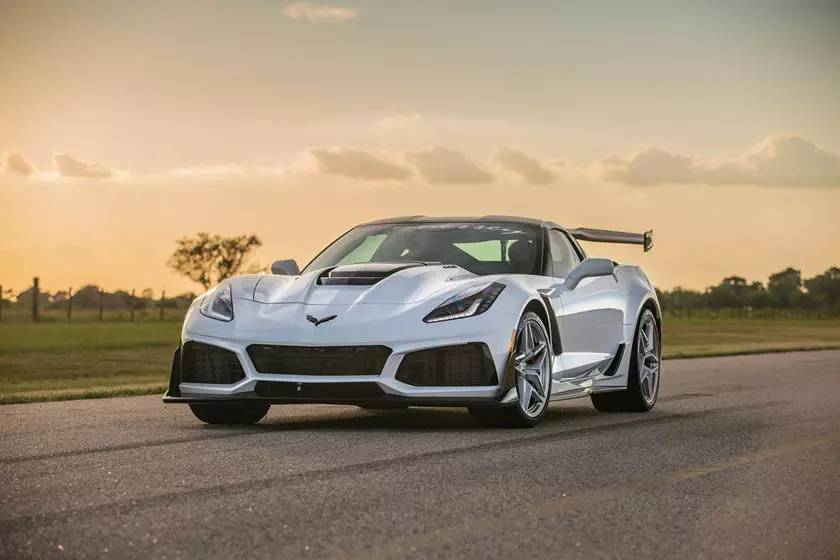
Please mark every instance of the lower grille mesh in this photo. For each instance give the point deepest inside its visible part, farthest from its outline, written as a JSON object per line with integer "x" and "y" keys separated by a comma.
{"x": 465, "y": 365}
{"x": 327, "y": 391}
{"x": 319, "y": 360}
{"x": 203, "y": 363}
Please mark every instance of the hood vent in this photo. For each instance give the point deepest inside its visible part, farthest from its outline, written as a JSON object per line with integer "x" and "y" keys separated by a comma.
{"x": 362, "y": 274}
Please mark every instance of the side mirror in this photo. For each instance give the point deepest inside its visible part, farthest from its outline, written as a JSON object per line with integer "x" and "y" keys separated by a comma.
{"x": 589, "y": 268}
{"x": 285, "y": 267}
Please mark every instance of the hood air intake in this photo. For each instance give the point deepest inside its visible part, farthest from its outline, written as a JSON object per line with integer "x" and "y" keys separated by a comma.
{"x": 362, "y": 274}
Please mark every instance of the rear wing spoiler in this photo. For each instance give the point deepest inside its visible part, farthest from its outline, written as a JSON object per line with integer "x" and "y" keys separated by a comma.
{"x": 608, "y": 236}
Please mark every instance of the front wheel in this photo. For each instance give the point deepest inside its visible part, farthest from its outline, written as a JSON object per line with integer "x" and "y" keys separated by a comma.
{"x": 643, "y": 382}
{"x": 230, "y": 413}
{"x": 532, "y": 371}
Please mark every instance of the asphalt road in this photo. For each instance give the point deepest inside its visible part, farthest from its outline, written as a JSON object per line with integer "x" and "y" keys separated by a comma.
{"x": 740, "y": 459}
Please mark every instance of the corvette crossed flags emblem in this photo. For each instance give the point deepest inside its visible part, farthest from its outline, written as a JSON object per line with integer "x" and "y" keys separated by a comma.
{"x": 317, "y": 322}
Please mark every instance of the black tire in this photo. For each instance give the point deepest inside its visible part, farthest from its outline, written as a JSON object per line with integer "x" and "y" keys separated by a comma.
{"x": 512, "y": 415}
{"x": 231, "y": 414}
{"x": 632, "y": 399}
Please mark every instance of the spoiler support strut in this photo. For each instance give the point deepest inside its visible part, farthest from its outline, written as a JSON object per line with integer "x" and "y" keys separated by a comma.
{"x": 609, "y": 236}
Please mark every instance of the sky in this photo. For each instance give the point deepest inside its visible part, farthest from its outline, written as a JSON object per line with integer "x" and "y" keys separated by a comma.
{"x": 125, "y": 125}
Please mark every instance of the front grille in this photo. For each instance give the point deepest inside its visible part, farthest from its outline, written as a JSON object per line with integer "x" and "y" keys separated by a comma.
{"x": 203, "y": 363}
{"x": 465, "y": 365}
{"x": 329, "y": 391}
{"x": 319, "y": 360}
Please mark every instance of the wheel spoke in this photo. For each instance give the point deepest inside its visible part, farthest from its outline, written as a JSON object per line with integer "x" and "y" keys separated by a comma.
{"x": 525, "y": 392}
{"x": 533, "y": 378}
{"x": 541, "y": 361}
{"x": 529, "y": 355}
{"x": 530, "y": 330}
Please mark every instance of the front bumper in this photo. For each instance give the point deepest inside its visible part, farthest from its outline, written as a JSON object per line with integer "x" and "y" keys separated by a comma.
{"x": 492, "y": 332}
{"x": 385, "y": 399}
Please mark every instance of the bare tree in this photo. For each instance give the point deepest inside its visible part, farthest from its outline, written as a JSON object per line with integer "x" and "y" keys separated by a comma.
{"x": 208, "y": 259}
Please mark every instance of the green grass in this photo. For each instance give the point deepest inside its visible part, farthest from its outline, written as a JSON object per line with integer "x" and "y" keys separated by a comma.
{"x": 683, "y": 338}
{"x": 63, "y": 337}
{"x": 74, "y": 394}
{"x": 56, "y": 361}
{"x": 82, "y": 370}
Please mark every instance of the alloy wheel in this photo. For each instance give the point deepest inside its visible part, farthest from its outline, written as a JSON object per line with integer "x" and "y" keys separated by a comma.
{"x": 648, "y": 357}
{"x": 533, "y": 367}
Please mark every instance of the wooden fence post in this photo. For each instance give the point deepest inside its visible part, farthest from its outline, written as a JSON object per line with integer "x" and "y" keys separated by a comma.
{"x": 69, "y": 305}
{"x": 133, "y": 305}
{"x": 162, "y": 301}
{"x": 36, "y": 295}
{"x": 101, "y": 305}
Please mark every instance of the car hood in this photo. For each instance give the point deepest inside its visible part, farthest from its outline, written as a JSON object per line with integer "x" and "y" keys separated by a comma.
{"x": 380, "y": 283}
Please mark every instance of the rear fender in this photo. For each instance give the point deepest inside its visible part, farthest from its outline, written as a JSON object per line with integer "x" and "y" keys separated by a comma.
{"x": 640, "y": 293}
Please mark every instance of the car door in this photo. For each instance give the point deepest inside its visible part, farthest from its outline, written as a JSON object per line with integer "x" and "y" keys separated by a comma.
{"x": 592, "y": 316}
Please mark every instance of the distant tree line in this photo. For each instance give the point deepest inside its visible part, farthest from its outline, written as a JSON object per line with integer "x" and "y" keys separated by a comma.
{"x": 208, "y": 259}
{"x": 785, "y": 290}
{"x": 91, "y": 297}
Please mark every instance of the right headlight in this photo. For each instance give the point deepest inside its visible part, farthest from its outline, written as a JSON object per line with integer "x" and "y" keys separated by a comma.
{"x": 218, "y": 304}
{"x": 468, "y": 303}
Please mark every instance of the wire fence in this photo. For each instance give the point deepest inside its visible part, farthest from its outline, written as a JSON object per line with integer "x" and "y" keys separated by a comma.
{"x": 765, "y": 313}
{"x": 90, "y": 304}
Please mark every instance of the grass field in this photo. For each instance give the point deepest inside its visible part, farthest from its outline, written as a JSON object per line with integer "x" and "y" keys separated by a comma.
{"x": 51, "y": 361}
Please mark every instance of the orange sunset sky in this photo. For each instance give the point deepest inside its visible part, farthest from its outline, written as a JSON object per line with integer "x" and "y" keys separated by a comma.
{"x": 125, "y": 125}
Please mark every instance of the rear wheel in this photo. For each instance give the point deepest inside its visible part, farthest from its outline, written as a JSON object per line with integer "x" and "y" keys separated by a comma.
{"x": 230, "y": 413}
{"x": 532, "y": 370}
{"x": 643, "y": 383}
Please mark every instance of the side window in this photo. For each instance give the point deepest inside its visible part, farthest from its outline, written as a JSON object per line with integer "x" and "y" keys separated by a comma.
{"x": 563, "y": 256}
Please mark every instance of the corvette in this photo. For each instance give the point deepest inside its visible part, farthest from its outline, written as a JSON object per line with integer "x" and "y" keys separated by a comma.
{"x": 498, "y": 314}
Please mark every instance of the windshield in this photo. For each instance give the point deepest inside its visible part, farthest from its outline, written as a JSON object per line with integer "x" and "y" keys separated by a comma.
{"x": 481, "y": 248}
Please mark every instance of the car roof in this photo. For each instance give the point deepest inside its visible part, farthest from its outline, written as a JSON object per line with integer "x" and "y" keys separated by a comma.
{"x": 464, "y": 219}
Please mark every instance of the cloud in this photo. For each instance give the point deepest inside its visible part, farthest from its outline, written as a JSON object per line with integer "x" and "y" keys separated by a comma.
{"x": 14, "y": 162}
{"x": 68, "y": 166}
{"x": 649, "y": 167}
{"x": 358, "y": 164}
{"x": 399, "y": 122}
{"x": 319, "y": 13}
{"x": 528, "y": 169}
{"x": 779, "y": 160}
{"x": 441, "y": 165}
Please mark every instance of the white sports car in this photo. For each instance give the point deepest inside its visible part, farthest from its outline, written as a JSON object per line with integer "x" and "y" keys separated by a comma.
{"x": 498, "y": 314}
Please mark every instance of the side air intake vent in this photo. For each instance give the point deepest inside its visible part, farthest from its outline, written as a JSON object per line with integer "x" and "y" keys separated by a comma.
{"x": 203, "y": 363}
{"x": 362, "y": 274}
{"x": 464, "y": 365}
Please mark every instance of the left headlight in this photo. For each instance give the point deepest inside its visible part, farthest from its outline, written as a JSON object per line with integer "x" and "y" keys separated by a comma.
{"x": 468, "y": 303}
{"x": 218, "y": 304}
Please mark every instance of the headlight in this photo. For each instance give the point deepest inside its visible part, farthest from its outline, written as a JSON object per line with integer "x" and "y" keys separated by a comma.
{"x": 218, "y": 304}
{"x": 468, "y": 303}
